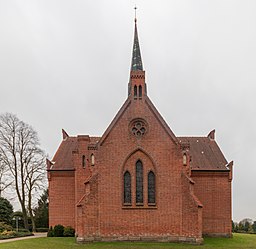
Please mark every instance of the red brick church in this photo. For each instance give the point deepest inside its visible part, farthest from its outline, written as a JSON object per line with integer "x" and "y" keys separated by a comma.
{"x": 139, "y": 181}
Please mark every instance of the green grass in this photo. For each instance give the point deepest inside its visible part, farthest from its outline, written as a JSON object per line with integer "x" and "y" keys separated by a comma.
{"x": 239, "y": 241}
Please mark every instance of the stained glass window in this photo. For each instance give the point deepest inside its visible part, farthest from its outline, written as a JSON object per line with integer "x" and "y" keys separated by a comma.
{"x": 139, "y": 182}
{"x": 127, "y": 188}
{"x": 151, "y": 187}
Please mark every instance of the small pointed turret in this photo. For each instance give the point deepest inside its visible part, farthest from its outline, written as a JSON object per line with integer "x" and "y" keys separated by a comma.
{"x": 137, "y": 86}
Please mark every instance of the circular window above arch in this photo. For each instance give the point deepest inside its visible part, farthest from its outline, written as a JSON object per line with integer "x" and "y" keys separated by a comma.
{"x": 138, "y": 127}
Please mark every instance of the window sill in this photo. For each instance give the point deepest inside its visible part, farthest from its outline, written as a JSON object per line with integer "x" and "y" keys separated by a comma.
{"x": 139, "y": 204}
{"x": 151, "y": 204}
{"x": 139, "y": 207}
{"x": 127, "y": 204}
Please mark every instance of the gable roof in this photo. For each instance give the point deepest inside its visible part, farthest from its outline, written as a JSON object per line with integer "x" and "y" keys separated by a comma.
{"x": 154, "y": 111}
{"x": 62, "y": 159}
{"x": 206, "y": 154}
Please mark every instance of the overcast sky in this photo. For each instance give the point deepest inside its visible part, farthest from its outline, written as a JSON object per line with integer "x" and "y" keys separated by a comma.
{"x": 65, "y": 64}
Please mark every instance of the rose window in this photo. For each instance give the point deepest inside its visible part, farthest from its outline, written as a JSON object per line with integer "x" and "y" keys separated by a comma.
{"x": 138, "y": 128}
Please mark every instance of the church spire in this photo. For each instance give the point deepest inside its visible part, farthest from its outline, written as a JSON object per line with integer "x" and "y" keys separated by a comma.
{"x": 137, "y": 87}
{"x": 136, "y": 64}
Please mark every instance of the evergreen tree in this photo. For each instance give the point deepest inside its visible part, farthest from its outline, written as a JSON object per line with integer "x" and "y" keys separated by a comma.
{"x": 246, "y": 226}
{"x": 6, "y": 211}
{"x": 254, "y": 226}
{"x": 41, "y": 211}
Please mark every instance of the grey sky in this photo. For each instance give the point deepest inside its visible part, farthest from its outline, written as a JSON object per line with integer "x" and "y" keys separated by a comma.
{"x": 65, "y": 64}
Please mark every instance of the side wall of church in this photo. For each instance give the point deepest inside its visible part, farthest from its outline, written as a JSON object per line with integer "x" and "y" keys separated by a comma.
{"x": 61, "y": 198}
{"x": 214, "y": 191}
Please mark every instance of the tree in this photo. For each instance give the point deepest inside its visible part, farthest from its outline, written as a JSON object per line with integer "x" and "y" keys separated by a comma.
{"x": 5, "y": 180}
{"x": 254, "y": 226}
{"x": 246, "y": 226}
{"x": 41, "y": 211}
{"x": 6, "y": 211}
{"x": 20, "y": 152}
{"x": 233, "y": 226}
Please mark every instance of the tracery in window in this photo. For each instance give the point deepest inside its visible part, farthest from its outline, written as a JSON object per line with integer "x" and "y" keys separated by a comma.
{"x": 151, "y": 188}
{"x": 138, "y": 127}
{"x": 139, "y": 182}
{"x": 127, "y": 188}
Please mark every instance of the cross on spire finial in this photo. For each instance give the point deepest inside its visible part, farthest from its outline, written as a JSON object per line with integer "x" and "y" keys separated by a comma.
{"x": 135, "y": 9}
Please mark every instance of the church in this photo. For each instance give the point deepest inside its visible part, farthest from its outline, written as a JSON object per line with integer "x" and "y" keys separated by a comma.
{"x": 139, "y": 181}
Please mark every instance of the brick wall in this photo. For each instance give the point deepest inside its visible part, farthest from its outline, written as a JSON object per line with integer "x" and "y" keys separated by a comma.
{"x": 61, "y": 198}
{"x": 214, "y": 191}
{"x": 119, "y": 152}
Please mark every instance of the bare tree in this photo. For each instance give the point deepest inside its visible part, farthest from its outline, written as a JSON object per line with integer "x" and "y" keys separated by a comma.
{"x": 20, "y": 152}
{"x": 5, "y": 179}
{"x": 36, "y": 181}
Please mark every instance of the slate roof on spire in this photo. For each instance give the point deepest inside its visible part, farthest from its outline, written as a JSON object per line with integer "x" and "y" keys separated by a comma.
{"x": 136, "y": 56}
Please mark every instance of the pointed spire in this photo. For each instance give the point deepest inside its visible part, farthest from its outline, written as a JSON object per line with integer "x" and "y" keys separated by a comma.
{"x": 136, "y": 56}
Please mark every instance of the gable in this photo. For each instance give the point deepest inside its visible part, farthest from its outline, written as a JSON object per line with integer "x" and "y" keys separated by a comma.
{"x": 130, "y": 103}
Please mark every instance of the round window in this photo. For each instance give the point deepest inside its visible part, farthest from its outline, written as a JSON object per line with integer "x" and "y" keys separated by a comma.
{"x": 138, "y": 127}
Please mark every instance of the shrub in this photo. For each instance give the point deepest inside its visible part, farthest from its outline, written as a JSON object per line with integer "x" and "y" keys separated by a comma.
{"x": 58, "y": 230}
{"x": 69, "y": 232}
{"x": 5, "y": 227}
{"x": 42, "y": 229}
{"x": 9, "y": 233}
{"x": 50, "y": 232}
{"x": 23, "y": 230}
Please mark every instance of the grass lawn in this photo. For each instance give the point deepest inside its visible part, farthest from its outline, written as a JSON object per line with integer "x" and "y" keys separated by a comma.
{"x": 239, "y": 241}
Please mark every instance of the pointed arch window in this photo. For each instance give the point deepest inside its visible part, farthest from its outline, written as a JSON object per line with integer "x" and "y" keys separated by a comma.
{"x": 92, "y": 160}
{"x": 135, "y": 91}
{"x": 151, "y": 188}
{"x": 83, "y": 161}
{"x": 140, "y": 91}
{"x": 139, "y": 182}
{"x": 127, "y": 188}
{"x": 184, "y": 159}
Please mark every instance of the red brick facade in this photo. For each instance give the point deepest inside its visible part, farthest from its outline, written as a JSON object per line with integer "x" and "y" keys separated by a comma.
{"x": 191, "y": 187}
